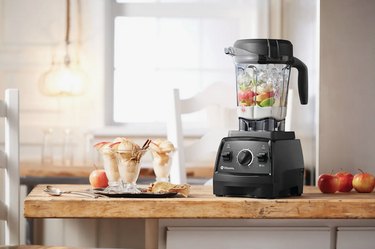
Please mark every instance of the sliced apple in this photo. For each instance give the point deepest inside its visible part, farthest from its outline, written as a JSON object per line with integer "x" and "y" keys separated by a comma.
{"x": 264, "y": 95}
{"x": 267, "y": 102}
{"x": 99, "y": 145}
{"x": 114, "y": 145}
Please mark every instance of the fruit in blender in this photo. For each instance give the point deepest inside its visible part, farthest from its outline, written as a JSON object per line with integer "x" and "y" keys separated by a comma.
{"x": 264, "y": 95}
{"x": 245, "y": 97}
{"x": 267, "y": 102}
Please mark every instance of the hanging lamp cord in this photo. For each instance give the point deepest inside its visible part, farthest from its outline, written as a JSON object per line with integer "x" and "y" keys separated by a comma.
{"x": 67, "y": 33}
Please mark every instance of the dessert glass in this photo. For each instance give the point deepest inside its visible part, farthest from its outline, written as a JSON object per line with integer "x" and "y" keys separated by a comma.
{"x": 111, "y": 170}
{"x": 162, "y": 165}
{"x": 129, "y": 168}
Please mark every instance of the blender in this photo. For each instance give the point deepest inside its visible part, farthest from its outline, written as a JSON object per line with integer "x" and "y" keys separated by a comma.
{"x": 261, "y": 159}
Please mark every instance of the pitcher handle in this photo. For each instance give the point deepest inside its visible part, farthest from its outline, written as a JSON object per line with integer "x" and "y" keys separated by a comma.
{"x": 303, "y": 86}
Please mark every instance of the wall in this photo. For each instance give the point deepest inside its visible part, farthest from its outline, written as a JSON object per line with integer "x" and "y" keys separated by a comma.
{"x": 26, "y": 50}
{"x": 300, "y": 25}
{"x": 31, "y": 33}
{"x": 347, "y": 85}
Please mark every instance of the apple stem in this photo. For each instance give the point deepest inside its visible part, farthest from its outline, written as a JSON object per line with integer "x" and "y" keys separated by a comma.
{"x": 361, "y": 171}
{"x": 94, "y": 166}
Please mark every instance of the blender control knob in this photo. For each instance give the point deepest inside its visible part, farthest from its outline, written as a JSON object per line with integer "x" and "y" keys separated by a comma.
{"x": 245, "y": 157}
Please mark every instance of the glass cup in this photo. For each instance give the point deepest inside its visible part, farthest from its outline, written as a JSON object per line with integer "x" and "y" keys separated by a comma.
{"x": 67, "y": 159}
{"x": 162, "y": 165}
{"x": 47, "y": 149}
{"x": 112, "y": 171}
{"x": 129, "y": 168}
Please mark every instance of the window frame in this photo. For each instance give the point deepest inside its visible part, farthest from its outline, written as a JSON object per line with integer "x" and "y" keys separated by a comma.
{"x": 114, "y": 9}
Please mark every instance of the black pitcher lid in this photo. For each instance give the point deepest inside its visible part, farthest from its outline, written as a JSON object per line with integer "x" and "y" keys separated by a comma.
{"x": 262, "y": 51}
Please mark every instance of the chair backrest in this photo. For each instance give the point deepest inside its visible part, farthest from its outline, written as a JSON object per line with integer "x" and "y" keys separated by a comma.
{"x": 9, "y": 163}
{"x": 220, "y": 99}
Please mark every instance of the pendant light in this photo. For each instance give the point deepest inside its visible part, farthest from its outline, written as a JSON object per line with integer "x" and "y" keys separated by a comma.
{"x": 65, "y": 77}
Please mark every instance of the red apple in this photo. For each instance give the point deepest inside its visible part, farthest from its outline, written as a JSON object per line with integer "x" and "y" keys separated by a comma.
{"x": 328, "y": 183}
{"x": 98, "y": 179}
{"x": 363, "y": 182}
{"x": 345, "y": 179}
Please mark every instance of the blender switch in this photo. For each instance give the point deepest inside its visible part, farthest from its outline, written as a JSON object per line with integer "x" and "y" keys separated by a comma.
{"x": 226, "y": 155}
{"x": 262, "y": 157}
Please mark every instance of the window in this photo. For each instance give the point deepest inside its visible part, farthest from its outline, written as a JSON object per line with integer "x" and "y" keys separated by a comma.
{"x": 161, "y": 45}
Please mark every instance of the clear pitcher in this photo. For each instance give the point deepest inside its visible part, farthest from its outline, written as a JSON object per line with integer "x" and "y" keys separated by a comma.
{"x": 262, "y": 79}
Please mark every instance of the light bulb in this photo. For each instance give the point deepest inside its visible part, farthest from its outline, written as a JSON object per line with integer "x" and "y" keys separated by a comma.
{"x": 63, "y": 80}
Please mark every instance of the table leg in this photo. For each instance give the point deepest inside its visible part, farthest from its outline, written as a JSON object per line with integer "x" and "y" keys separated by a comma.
{"x": 151, "y": 233}
{"x": 29, "y": 223}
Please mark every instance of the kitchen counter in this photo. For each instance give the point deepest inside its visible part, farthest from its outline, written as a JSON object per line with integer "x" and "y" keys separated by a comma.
{"x": 201, "y": 204}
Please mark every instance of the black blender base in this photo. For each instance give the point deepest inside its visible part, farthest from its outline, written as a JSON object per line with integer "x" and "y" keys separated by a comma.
{"x": 259, "y": 164}
{"x": 265, "y": 191}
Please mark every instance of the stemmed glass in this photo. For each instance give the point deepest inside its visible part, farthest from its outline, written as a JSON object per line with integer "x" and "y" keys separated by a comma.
{"x": 129, "y": 168}
{"x": 108, "y": 155}
{"x": 162, "y": 151}
{"x": 161, "y": 164}
{"x": 129, "y": 156}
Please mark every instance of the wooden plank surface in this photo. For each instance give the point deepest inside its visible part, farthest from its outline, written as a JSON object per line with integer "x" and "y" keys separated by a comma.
{"x": 201, "y": 204}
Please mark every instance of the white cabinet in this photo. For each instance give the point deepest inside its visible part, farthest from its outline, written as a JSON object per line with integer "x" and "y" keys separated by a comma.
{"x": 247, "y": 237}
{"x": 355, "y": 237}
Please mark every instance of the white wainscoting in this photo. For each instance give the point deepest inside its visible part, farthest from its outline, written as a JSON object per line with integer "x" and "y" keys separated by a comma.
{"x": 248, "y": 237}
{"x": 356, "y": 237}
{"x": 91, "y": 233}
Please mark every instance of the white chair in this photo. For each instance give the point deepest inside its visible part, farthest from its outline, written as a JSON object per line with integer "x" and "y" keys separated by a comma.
{"x": 9, "y": 163}
{"x": 220, "y": 102}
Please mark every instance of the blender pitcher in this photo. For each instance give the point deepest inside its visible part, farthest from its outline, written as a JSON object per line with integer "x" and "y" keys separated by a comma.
{"x": 262, "y": 77}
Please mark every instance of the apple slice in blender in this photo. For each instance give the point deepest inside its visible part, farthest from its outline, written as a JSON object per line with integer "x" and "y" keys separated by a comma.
{"x": 248, "y": 102}
{"x": 267, "y": 102}
{"x": 263, "y": 96}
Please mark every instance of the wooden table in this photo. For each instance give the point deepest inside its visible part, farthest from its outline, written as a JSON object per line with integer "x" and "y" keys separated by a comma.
{"x": 33, "y": 173}
{"x": 327, "y": 220}
{"x": 202, "y": 204}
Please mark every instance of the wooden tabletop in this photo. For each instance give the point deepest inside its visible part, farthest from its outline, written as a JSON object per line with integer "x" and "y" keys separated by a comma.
{"x": 201, "y": 204}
